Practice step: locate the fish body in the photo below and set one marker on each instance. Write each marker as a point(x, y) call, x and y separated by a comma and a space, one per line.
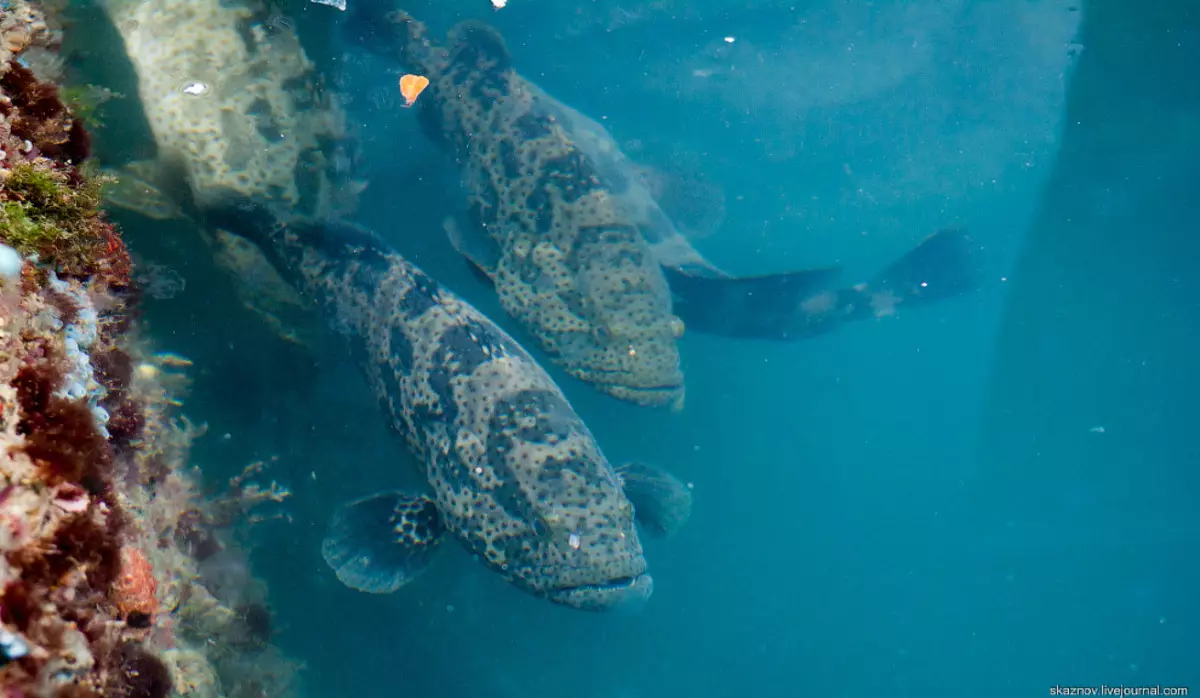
point(565, 261)
point(507, 135)
point(513, 472)
point(784, 306)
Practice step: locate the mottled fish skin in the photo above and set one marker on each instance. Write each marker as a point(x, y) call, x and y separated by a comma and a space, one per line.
point(572, 268)
point(516, 475)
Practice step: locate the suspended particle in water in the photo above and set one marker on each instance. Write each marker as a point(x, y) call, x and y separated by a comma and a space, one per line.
point(499, 4)
point(195, 88)
point(382, 99)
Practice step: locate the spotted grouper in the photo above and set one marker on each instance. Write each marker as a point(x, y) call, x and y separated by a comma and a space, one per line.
point(513, 472)
point(565, 261)
point(556, 206)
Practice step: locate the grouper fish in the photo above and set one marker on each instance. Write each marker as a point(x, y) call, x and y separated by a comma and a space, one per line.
point(552, 197)
point(567, 265)
point(513, 472)
point(786, 306)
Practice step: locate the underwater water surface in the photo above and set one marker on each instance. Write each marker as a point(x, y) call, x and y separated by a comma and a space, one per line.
point(993, 495)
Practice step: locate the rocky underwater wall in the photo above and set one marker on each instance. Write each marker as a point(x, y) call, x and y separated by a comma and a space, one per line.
point(114, 570)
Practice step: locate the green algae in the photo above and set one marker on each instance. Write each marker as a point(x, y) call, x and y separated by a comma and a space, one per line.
point(53, 214)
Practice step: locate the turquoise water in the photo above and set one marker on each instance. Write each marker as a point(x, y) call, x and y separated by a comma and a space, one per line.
point(989, 497)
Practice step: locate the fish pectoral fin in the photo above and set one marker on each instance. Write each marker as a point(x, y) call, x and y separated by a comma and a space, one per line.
point(380, 543)
point(754, 307)
point(662, 503)
point(477, 250)
point(941, 267)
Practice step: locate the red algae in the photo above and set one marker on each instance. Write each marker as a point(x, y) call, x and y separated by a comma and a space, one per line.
point(101, 529)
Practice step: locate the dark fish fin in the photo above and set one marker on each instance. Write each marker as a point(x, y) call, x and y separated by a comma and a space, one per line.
point(378, 27)
point(280, 234)
point(941, 267)
point(479, 251)
point(480, 46)
point(479, 272)
point(662, 503)
point(754, 307)
point(244, 216)
point(380, 543)
point(806, 304)
point(369, 23)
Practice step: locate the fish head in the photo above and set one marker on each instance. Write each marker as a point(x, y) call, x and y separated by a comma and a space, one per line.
point(546, 510)
point(601, 309)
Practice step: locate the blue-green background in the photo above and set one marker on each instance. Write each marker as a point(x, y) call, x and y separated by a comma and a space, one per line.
point(987, 497)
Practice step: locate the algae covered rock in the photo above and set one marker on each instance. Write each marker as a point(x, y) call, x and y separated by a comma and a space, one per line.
point(92, 459)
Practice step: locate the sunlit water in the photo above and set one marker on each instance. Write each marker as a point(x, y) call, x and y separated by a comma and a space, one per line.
point(991, 496)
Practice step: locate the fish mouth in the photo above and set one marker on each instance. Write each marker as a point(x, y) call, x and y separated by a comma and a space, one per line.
point(627, 593)
point(667, 395)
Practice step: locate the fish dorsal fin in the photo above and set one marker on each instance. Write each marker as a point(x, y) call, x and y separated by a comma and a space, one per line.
point(380, 543)
point(479, 46)
point(662, 503)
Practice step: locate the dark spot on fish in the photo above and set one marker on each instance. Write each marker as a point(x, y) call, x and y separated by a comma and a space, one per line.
point(401, 350)
point(509, 160)
point(466, 347)
point(532, 416)
point(575, 303)
point(539, 201)
point(514, 549)
point(457, 477)
point(446, 409)
point(550, 482)
point(393, 393)
point(528, 416)
point(422, 296)
point(365, 280)
point(601, 237)
point(379, 376)
point(571, 174)
point(530, 126)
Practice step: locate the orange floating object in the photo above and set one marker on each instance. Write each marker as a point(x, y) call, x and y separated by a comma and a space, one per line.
point(411, 87)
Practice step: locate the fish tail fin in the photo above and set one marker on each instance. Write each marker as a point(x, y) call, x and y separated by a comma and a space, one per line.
point(662, 503)
point(939, 268)
point(278, 233)
point(750, 307)
point(805, 304)
point(384, 31)
point(243, 215)
point(380, 543)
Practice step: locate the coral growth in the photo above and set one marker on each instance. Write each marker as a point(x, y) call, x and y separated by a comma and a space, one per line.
point(99, 595)
point(135, 590)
